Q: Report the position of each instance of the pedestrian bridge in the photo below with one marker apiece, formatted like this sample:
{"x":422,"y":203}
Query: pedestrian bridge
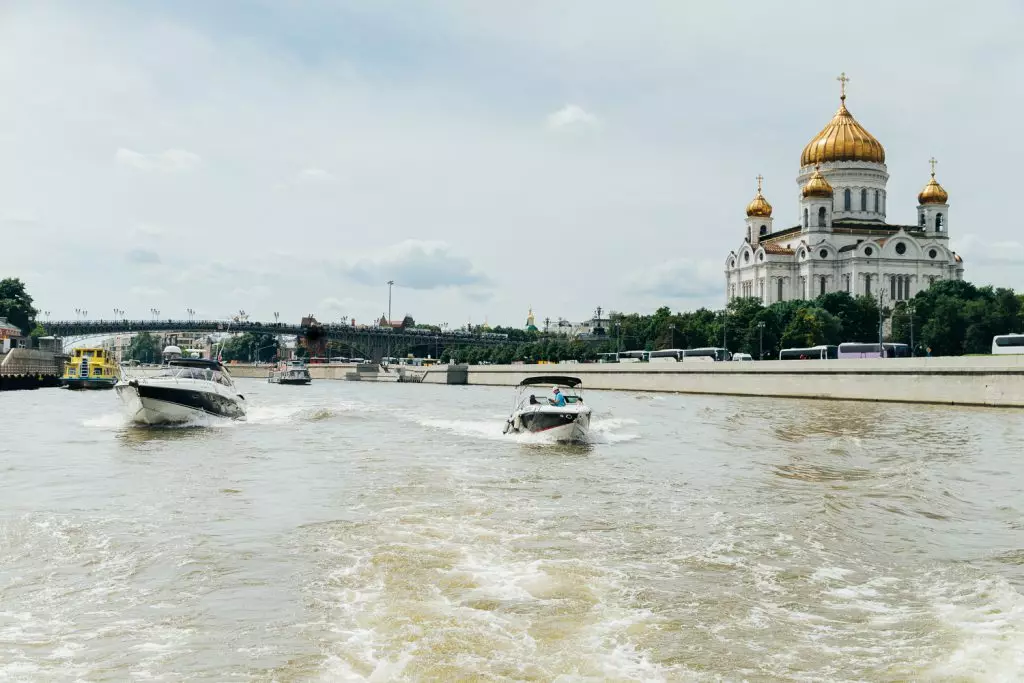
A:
{"x":374,"y":342}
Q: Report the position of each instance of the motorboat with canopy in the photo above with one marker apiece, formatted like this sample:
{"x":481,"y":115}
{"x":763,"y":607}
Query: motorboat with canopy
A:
{"x":567,"y":419}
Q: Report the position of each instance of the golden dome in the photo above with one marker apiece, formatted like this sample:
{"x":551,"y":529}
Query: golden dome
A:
{"x":932,"y":192}
{"x":817,"y":186}
{"x":759,"y":206}
{"x":843,"y":139}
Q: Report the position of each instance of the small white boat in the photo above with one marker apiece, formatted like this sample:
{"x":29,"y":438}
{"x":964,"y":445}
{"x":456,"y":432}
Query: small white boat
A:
{"x":184,"y":390}
{"x":568,"y":422}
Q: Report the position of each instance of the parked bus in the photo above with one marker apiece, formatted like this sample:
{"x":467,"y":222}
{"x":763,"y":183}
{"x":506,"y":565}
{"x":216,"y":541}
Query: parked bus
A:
{"x":887,"y":350}
{"x":821,"y":352}
{"x":667,"y":355}
{"x":712,"y":352}
{"x":607,"y":358}
{"x":1007,"y":343}
{"x":634,"y":356}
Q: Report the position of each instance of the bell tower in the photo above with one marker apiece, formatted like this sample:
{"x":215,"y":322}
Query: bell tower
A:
{"x":933,"y":207}
{"x":759,"y":216}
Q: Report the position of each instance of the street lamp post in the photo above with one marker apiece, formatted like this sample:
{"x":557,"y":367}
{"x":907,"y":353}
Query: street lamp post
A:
{"x":672,"y":336}
{"x":910,"y":311}
{"x":760,"y":340}
{"x":725,"y":328}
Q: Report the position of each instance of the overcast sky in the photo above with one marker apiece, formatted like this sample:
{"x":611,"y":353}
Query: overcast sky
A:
{"x":486,"y":156}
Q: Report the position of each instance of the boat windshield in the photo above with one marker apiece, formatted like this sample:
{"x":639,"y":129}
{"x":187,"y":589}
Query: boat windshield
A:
{"x":194,"y":373}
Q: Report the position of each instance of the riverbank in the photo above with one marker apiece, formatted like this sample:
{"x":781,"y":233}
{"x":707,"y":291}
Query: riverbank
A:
{"x":30,"y":369}
{"x":996,"y":381}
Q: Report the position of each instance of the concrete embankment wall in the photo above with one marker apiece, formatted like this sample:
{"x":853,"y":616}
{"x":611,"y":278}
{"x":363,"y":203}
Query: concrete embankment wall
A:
{"x":982,"y":381}
{"x":30,"y":369}
{"x":317,"y":371}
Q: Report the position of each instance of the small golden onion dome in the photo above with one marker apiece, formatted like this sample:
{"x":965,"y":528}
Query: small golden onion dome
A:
{"x":843,"y":139}
{"x":932,"y":193}
{"x":759,"y":206}
{"x":817,"y":186}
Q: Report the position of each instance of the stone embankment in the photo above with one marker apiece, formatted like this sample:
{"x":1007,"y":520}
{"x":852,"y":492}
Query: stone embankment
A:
{"x":971,"y":380}
{"x":976,"y":381}
{"x":30,"y":369}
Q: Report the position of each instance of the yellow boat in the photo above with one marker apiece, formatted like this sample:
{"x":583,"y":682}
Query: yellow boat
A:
{"x":90,"y":369}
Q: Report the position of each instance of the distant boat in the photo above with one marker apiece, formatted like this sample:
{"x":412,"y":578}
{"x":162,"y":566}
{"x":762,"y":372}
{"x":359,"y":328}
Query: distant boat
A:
{"x":90,"y":368}
{"x":295,"y":372}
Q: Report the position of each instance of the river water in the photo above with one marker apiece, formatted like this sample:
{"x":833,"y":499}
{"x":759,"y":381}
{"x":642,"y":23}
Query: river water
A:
{"x":354,"y":531}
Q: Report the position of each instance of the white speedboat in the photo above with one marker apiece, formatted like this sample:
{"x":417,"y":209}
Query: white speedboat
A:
{"x":569,"y":422}
{"x":184,"y":390}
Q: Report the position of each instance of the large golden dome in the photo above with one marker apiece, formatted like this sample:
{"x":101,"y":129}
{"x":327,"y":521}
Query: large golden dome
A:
{"x":843,"y":139}
{"x":759,"y":206}
{"x":933,"y":193}
{"x":817,"y":186}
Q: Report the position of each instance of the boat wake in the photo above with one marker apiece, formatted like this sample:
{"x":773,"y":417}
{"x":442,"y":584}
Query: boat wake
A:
{"x":607,"y":431}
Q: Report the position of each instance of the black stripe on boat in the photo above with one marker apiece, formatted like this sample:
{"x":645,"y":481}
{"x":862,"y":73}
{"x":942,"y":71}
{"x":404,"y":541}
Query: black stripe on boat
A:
{"x":207,"y":402}
{"x":540,"y":422}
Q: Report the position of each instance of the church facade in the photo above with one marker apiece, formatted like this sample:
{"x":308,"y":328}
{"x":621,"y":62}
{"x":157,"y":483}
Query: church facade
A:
{"x":842,"y":241}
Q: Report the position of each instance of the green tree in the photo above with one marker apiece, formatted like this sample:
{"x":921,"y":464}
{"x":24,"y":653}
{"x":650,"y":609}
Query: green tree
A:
{"x":16,"y":304}
{"x":810,"y":326}
{"x":249,"y":345}
{"x":144,"y":348}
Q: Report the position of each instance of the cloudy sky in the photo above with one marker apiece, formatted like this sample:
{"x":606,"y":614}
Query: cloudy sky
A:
{"x":486,"y":156}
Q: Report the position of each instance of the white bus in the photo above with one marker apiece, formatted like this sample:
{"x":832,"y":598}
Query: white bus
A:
{"x":1007,"y":343}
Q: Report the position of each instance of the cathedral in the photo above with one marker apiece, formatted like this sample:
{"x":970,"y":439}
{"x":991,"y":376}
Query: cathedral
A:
{"x":842,"y":242}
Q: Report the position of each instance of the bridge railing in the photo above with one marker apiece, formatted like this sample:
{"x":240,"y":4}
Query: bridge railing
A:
{"x":332,"y":330}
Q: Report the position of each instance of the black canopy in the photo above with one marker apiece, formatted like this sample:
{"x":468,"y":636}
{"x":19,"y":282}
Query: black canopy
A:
{"x":195,"y":363}
{"x":558,"y":380}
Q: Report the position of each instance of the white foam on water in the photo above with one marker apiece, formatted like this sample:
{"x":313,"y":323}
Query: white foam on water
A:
{"x":110,"y":421}
{"x":987,"y":617}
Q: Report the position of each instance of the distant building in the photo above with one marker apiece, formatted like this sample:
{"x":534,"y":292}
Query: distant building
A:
{"x":7,"y":330}
{"x":842,"y":241}
{"x":531,"y":321}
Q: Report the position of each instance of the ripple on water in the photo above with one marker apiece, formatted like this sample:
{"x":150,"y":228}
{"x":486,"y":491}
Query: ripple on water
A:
{"x":391,"y":532}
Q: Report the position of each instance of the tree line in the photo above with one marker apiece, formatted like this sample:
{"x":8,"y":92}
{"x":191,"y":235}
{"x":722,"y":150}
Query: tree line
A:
{"x":952,"y":317}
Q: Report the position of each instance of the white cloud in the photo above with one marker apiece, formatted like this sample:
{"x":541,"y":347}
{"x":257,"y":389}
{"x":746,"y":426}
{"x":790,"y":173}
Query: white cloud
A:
{"x":572,"y":117}
{"x":144,"y":292}
{"x":416,"y":264}
{"x":169,"y":160}
{"x":147,"y":231}
{"x":142,"y":257}
{"x":314,"y":176}
{"x":978,"y":251}
{"x":679,"y":279}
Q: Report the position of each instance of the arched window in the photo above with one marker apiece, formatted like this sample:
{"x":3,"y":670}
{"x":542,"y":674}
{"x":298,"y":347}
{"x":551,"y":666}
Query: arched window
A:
{"x":806,"y":223}
{"x":938,"y":222}
{"x":876,"y":201}
{"x":821,"y":217}
{"x":780,"y":289}
{"x":922,"y":219}
{"x":822,"y":291}
{"x":764,"y":230}
{"x":867,"y":285}
{"x":892,"y":288}
{"x":847,"y":200}
{"x":863,"y":200}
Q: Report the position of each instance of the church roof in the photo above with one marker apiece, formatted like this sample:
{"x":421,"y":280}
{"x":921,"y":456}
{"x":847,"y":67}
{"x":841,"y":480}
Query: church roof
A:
{"x":843,"y":139}
{"x":772,"y":248}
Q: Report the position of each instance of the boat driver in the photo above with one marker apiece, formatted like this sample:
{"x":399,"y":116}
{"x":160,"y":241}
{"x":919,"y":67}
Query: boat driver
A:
{"x":557,"y":399}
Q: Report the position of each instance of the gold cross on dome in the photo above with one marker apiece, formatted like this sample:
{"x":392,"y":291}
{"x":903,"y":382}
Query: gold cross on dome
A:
{"x":933,"y":161}
{"x":843,"y":80}
{"x":759,"y":179}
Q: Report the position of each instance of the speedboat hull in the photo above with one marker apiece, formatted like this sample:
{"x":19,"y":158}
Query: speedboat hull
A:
{"x":149,"y":404}
{"x":570,"y":424}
